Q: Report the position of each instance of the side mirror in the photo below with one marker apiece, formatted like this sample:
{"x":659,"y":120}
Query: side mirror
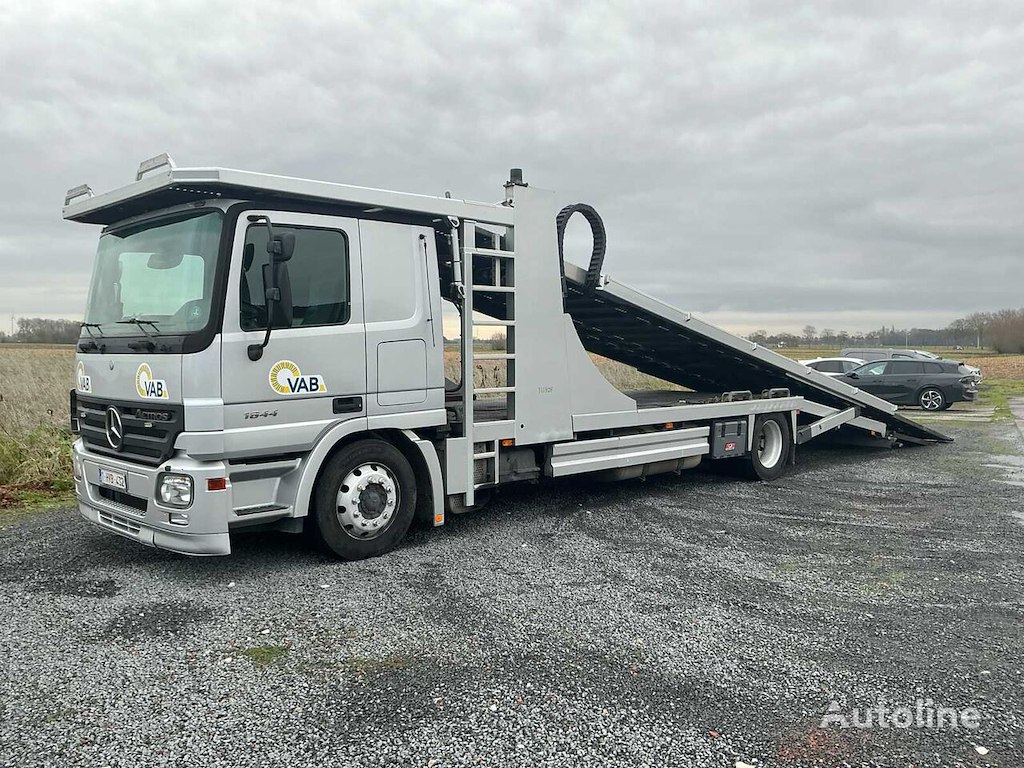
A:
{"x":281,"y":247}
{"x":280,"y":302}
{"x":853,"y":375}
{"x":286,"y":313}
{"x":276,"y":283}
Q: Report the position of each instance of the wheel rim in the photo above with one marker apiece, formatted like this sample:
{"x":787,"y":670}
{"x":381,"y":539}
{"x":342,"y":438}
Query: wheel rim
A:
{"x":368,"y":500}
{"x":931,"y":400}
{"x":769,"y":444}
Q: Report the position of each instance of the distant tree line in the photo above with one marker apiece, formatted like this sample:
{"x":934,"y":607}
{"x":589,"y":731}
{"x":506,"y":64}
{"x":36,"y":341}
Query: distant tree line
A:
{"x":41,"y":330}
{"x":1002,"y":330}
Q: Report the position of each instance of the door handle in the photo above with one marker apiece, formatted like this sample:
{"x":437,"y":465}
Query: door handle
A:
{"x":348,"y":405}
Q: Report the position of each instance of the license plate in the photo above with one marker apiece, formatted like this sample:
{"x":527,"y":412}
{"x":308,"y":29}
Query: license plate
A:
{"x":113,"y":478}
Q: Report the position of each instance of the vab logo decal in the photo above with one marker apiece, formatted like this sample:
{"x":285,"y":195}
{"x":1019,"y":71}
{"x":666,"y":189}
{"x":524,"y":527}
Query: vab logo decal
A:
{"x":83,"y":383}
{"x":287,"y":379}
{"x":147,"y":386}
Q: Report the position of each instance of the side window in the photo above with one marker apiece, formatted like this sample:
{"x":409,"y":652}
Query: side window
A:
{"x":933,"y":367}
{"x":829,"y":366}
{"x":873,"y":370}
{"x":904,"y":367}
{"x":849,"y":366}
{"x":318,"y":272}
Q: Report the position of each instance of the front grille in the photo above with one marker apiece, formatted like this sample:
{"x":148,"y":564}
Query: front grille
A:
{"x":118,"y":523}
{"x":149,"y":431}
{"x":126,"y":501}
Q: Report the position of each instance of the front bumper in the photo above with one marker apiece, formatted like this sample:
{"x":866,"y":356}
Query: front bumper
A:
{"x":136,"y":514}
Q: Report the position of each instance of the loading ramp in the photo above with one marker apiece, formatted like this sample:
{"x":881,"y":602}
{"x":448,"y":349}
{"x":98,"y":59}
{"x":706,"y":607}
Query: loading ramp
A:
{"x":630,"y":327}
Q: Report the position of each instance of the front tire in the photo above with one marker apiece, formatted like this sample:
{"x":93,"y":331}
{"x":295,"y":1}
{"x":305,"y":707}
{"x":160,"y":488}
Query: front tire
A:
{"x":770,"y":451}
{"x":931,"y":399}
{"x":365,"y":500}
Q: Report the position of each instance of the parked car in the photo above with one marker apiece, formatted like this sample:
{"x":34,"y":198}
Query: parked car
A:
{"x":834,"y":366}
{"x":932,"y":384}
{"x":881,"y":353}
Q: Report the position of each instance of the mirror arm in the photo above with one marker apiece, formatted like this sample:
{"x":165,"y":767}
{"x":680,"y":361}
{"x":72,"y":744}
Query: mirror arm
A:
{"x":271,"y":293}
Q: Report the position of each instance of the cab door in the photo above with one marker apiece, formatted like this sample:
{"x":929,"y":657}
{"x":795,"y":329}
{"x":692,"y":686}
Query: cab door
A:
{"x":313,"y":371}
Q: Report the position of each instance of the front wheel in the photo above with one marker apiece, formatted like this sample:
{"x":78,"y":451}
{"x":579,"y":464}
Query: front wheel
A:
{"x":931,"y":399}
{"x":365,"y":500}
{"x":771,"y":448}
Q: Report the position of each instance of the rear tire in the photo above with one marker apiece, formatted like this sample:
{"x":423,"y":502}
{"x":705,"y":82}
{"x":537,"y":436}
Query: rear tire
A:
{"x":771,"y":448}
{"x":365,"y":500}
{"x":931,"y":399}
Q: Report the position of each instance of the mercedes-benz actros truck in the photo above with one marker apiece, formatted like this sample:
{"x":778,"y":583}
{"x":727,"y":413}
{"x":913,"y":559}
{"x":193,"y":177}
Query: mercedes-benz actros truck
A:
{"x":264,"y":351}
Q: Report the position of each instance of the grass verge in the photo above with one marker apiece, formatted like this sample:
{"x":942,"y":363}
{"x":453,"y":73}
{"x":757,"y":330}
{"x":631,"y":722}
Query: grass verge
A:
{"x":996,"y":393}
{"x":17,"y":502}
{"x":40,"y":457}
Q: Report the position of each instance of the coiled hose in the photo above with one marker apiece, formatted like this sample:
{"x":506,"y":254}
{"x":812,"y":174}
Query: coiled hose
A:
{"x":600,"y":243}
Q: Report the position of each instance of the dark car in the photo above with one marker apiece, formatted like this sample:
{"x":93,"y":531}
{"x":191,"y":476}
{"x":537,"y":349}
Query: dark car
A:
{"x":933,"y":385}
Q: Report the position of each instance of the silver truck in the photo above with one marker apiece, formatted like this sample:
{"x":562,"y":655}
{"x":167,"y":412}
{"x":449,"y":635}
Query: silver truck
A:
{"x":264,"y":351}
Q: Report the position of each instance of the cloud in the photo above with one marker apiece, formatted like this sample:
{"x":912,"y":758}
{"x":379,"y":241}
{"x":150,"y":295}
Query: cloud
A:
{"x":769,"y":161}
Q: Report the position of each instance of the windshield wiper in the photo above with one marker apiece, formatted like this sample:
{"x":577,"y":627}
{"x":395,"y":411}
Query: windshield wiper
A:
{"x":139,"y":322}
{"x":84,"y":346}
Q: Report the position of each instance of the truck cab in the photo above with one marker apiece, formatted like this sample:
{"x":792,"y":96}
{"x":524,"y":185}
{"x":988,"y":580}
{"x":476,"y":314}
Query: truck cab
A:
{"x":191,"y":418}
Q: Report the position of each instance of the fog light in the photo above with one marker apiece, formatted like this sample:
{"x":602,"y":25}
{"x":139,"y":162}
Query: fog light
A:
{"x":175,"y":490}
{"x":76,"y":466}
{"x":177,"y":518}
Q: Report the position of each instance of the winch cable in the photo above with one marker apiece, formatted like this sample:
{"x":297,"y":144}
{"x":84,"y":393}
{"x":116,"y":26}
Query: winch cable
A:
{"x":600,"y":243}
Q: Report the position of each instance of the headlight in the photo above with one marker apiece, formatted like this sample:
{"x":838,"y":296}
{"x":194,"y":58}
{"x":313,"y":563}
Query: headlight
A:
{"x":175,"y":490}
{"x":76,"y":465}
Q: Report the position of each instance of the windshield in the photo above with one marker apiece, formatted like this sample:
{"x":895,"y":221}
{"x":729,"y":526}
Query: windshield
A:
{"x":155,"y":278}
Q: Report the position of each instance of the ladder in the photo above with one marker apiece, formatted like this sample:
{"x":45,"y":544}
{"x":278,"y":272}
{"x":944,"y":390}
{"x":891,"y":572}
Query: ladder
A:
{"x":499,"y":261}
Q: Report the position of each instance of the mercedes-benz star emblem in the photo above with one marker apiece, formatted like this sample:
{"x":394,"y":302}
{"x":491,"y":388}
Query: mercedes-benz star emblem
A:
{"x":115,"y":428}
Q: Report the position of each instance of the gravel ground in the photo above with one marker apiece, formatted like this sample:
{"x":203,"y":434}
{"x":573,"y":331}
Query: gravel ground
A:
{"x":698,"y":620}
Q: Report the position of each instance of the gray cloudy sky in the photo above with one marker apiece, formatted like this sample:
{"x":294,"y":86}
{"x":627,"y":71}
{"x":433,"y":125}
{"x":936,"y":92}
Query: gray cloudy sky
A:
{"x":765,"y":164}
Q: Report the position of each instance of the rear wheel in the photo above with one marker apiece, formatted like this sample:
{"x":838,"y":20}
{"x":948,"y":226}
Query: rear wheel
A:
{"x":931,"y":399}
{"x":365,"y":500}
{"x":771,"y":448}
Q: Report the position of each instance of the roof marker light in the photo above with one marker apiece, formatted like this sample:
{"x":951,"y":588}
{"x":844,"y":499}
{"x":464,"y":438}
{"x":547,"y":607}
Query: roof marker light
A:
{"x":153,"y":163}
{"x":81,"y":189}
